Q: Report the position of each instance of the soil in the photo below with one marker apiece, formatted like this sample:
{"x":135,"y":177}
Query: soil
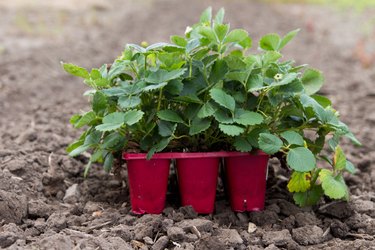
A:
{"x":45,"y":203}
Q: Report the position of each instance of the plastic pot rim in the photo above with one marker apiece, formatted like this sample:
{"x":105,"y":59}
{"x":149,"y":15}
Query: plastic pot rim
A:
{"x":189,"y":155}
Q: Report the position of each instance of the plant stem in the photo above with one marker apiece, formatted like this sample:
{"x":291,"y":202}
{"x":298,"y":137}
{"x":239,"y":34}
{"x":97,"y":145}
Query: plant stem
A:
{"x":145,"y":66}
{"x":190,"y":67}
{"x":260,"y":100}
{"x":179,"y":137}
{"x":159,"y":99}
{"x":315,"y":176}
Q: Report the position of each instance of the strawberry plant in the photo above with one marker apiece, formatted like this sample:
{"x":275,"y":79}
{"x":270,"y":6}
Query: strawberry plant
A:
{"x":204,"y":91}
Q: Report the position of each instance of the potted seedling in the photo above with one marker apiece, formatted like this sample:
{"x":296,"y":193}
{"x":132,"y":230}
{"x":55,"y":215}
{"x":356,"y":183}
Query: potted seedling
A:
{"x":203,"y":97}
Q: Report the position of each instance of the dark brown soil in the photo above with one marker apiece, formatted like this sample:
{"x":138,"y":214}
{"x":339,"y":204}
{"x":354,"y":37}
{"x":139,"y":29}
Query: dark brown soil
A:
{"x":45,"y":203}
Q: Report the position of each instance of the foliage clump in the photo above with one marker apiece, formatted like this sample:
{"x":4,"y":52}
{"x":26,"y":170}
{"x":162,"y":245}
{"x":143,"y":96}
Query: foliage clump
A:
{"x":204,"y":91}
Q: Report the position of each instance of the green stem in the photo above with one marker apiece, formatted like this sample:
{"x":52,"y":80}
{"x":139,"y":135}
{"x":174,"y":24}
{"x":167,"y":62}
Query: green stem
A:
{"x":260,"y":111}
{"x":159,"y":99}
{"x":179,"y":137}
{"x":219,"y":50}
{"x":260,"y":100}
{"x":134,"y":70}
{"x":206,"y":88}
{"x":145,"y":66}
{"x":190,"y":67}
{"x":315,"y":176}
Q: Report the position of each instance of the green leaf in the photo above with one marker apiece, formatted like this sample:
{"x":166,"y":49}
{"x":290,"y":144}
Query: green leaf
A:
{"x":111,"y":122}
{"x":136,"y":48}
{"x":206,"y":110}
{"x":339,"y":159}
{"x":170,"y":116}
{"x":253,"y":136}
{"x":126,"y":102}
{"x":108,"y":162}
{"x":75,"y":118}
{"x":270,"y":42}
{"x":162,"y":75}
{"x":189,"y":99}
{"x":350,"y":167}
{"x":85,"y":119}
{"x":153,"y":87}
{"x":333,"y":142}
{"x":160,"y":46}
{"x":231,"y":130}
{"x":322,"y":100}
{"x":286,"y":79}
{"x":103,"y":70}
{"x":235,"y":62}
{"x":318,"y":110}
{"x":160,"y":146}
{"x":269,"y":143}
{"x":219,"y":18}
{"x":287,"y":38}
{"x":255,"y":83}
{"x":99,"y":102}
{"x":223,"y":99}
{"x":133,"y":116}
{"x":299,"y":182}
{"x":116,"y":69}
{"x":76,"y":70}
{"x":166,"y":128}
{"x":270,"y":57}
{"x":218,"y":72}
{"x":301,"y":159}
{"x":308,"y":198}
{"x":312,"y":81}
{"x":95,"y":74}
{"x":112,"y":140}
{"x":74,"y":145}
{"x":293,"y":138}
{"x":333,"y":186}
{"x":239,"y":36}
{"x":351,"y":136}
{"x":179,"y":40}
{"x":248,"y":118}
{"x":246,"y":43}
{"x":221,"y":31}
{"x":206,"y":60}
{"x":96,"y":156}
{"x":101,"y":82}
{"x":223,"y":117}
{"x":115,"y":91}
{"x":79,"y":150}
{"x":240,"y":76}
{"x":291,"y":89}
{"x":208,"y":33}
{"x":107,"y":127}
{"x":199,"y":125}
{"x":171,"y":61}
{"x":206,"y":16}
{"x":242,"y":144}
{"x":174,"y":87}
{"x":93,"y":138}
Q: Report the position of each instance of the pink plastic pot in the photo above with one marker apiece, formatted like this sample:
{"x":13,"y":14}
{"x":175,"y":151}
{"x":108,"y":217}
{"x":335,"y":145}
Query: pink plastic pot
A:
{"x":148,"y":181}
{"x":246,"y":180}
{"x":197,"y":179}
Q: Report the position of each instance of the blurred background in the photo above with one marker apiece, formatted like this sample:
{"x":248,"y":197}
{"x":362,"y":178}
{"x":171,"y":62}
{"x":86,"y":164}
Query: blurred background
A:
{"x":37,"y":96}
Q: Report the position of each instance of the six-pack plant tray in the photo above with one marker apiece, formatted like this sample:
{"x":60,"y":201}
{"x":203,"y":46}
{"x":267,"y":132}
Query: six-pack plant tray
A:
{"x":197,"y":180}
